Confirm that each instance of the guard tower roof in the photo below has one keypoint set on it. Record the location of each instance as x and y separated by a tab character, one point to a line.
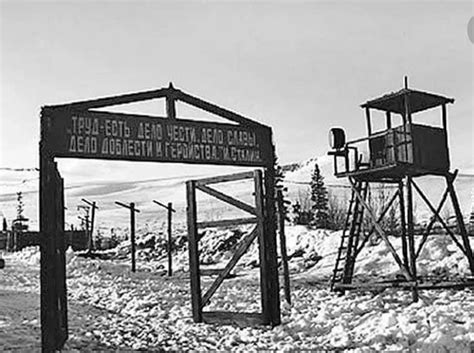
419	100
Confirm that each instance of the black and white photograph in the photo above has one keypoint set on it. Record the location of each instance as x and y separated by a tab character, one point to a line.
236	176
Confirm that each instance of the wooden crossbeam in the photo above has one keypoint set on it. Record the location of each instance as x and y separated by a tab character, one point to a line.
225	178
243	247
426	233
228	199
164	206
115	100
91	204
405	285
461	225
436	214
193	248
232	318
214	109
227	222
380	231
130	207
382	215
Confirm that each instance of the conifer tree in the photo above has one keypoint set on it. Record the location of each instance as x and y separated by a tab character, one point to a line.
20	206
279	178
319	198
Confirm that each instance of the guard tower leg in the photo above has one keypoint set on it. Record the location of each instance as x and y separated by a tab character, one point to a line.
411	236
460	221
403	223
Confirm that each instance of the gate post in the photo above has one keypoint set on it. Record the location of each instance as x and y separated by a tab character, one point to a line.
52	272
270	267
196	300
47	251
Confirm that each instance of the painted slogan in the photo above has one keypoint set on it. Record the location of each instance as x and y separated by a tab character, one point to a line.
130	137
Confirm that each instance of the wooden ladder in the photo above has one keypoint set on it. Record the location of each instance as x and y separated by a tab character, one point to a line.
345	261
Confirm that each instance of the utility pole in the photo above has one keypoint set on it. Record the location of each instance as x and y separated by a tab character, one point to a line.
170	209
85	220
284	255
93	206
132	209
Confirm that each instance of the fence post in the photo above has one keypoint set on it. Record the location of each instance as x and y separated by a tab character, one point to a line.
132	209
132	234
170	240
196	299
284	256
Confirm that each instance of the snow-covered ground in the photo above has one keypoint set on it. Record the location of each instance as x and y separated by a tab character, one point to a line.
111	308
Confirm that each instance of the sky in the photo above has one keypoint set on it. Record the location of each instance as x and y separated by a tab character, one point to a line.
299	67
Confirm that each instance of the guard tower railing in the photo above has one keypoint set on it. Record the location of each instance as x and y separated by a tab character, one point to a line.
394	150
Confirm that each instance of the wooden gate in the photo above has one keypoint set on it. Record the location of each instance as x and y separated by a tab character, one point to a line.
54	325
270	314
79	130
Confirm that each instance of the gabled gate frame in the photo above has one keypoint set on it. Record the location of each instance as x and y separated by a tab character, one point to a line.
407	264
54	134
270	314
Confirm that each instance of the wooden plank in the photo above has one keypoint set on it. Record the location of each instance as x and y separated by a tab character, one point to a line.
405	285
240	319
214	109
163	205
132	235
369	124
461	225
157	139
61	265
47	251
241	250
259	206
369	286
440	220
170	239
214	272
380	231
114	100
225	178
92	226
379	219
171	102
427	231
193	248
127	206
228	199
444	118
403	223
284	255
227	222
388	118
411	235
270	249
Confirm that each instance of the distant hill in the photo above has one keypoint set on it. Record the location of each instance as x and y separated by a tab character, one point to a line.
142	192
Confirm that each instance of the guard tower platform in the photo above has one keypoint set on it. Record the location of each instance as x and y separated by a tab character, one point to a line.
396	154
397	151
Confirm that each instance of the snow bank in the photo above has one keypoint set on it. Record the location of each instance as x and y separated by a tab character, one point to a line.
148	311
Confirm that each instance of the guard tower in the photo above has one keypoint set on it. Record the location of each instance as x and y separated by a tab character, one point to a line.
396	155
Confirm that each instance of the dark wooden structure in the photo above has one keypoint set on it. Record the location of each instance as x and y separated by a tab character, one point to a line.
270	313
169	243
79	130
90	228
76	239
282	238
54	323
395	155
133	245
